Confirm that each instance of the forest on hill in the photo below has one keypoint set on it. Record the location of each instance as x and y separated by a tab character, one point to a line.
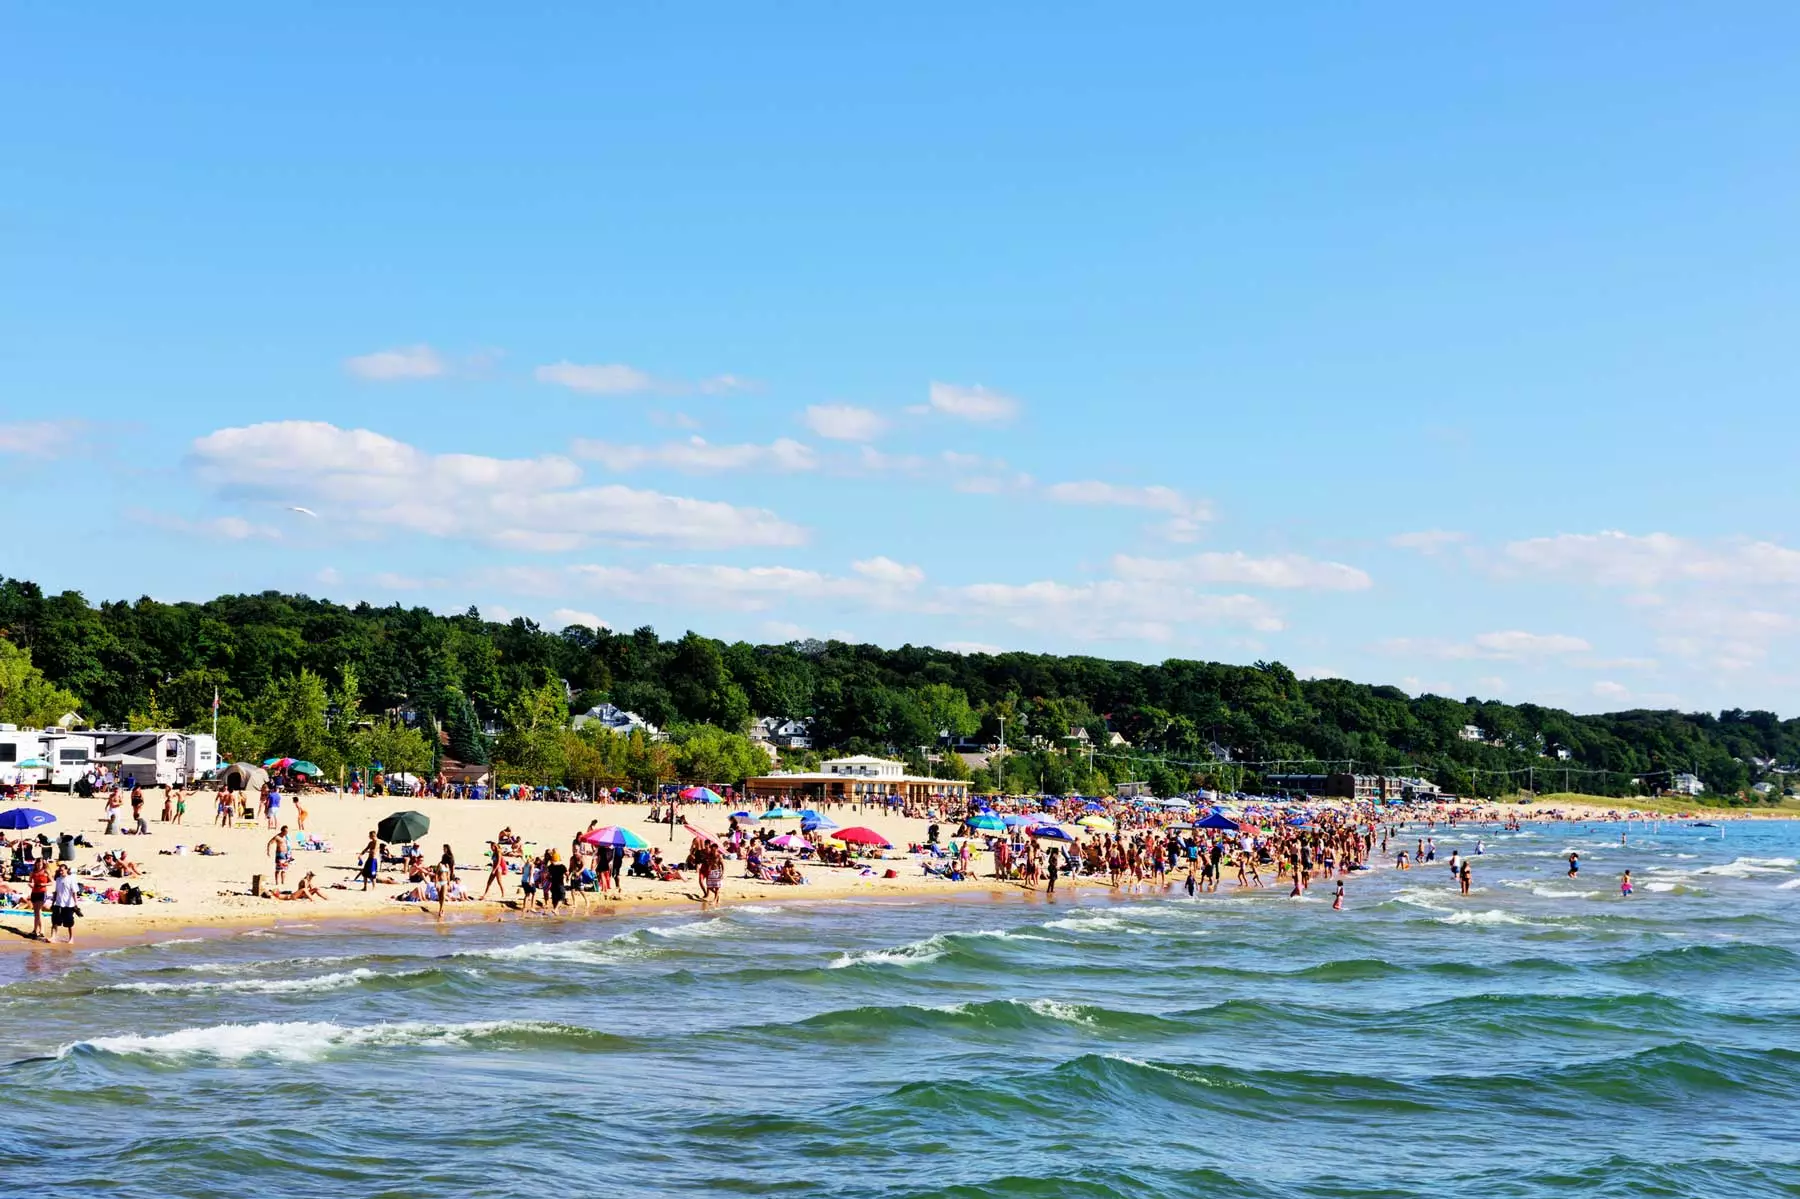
344	685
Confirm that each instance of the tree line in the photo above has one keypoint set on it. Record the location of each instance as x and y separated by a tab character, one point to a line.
342	685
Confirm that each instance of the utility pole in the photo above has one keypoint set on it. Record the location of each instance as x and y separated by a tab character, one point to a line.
1000	770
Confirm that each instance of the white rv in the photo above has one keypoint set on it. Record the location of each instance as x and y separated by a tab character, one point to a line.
20	745
67	756
157	759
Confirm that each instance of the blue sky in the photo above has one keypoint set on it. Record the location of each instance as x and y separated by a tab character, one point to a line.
1446	346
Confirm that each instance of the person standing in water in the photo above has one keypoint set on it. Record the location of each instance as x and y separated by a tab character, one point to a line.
1625	885
1337	901
1051	871
1574	864
1465	876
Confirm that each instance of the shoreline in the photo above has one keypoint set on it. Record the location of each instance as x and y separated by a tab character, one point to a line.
209	894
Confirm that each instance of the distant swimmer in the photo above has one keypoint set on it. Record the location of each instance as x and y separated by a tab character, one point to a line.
1478	848
1465	876
1574	864
1337	901
1625	885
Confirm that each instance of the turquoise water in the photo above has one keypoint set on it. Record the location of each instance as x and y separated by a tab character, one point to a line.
1539	1037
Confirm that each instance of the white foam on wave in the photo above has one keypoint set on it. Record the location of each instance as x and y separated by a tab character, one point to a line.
293	1040
1422	897
1559	893
262	986
1662	886
1089	924
754	909
696	928
1053	1009
913	953
1749	867
1492	916
590	952
1790	885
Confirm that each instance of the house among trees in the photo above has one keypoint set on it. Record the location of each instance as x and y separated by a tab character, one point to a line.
783	732
617	720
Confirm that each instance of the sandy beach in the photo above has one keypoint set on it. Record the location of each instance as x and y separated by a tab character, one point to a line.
188	890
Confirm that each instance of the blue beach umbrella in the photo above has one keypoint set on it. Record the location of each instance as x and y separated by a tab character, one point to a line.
22	818
39	764
987	824
1217	819
1021	821
1049	832
816	822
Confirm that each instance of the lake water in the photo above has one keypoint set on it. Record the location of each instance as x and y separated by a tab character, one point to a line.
1540	1037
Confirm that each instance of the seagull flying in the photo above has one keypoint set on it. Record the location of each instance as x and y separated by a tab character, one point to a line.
303	511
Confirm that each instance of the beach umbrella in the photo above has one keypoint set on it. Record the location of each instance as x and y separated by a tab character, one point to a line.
987	823
1050	832
33	764
862	836
700	833
703	795
1022	821
816	822
1217	819
781	814
403	826
1096	822
791	841
21	818
745	816
612	834
278	763
304	768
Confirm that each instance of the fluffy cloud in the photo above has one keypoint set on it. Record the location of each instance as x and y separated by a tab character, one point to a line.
219	528
697	454
607	378
402	362
707	585
41	438
972	403
845	422
1427	541
1112	609
616	378
1612	558
562	618
972	647
379	483
886	570
1186	514
1511	645
1286	571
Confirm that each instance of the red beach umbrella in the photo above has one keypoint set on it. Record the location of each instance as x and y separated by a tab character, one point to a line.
862	836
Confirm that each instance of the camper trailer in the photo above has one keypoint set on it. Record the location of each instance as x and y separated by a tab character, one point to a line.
157	759
20	745
67	756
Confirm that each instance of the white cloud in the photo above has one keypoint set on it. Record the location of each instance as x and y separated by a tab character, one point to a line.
719	385
972	403
886	570
1111	609
534	504
707	585
330	576
608	378
41	438
1320	672
219	528
1427	541
1607	689
402	362
869	458
784	631
392	581
845	422
1510	645
1616	559
1186	514
562	618
1286	571
697	454
972	647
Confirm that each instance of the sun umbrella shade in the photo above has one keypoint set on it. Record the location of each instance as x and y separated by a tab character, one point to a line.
862	836
816	822
278	763
1217	820
18	818
703	795
304	768
1099	822
988	824
612	834
403	826
32	764
1021	821
790	841
1049	832
781	814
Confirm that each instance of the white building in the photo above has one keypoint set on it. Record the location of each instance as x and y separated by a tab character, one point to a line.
1472	732
783	732
1686	784
865	767
617	720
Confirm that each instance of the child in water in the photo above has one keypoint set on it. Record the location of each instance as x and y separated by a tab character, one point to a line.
1337	901
1625	886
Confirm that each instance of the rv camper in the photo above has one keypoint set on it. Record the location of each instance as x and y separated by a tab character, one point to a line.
20	745
67	757
157	759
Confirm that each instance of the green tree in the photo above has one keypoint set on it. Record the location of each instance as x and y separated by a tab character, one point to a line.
706	754
27	698
535	723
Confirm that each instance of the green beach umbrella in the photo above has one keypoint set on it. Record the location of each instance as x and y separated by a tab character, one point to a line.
403	826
